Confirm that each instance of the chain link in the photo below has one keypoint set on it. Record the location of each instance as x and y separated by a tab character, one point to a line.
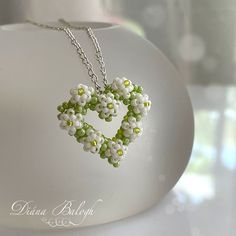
79	49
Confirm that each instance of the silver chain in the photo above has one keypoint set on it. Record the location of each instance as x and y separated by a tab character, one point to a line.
80	51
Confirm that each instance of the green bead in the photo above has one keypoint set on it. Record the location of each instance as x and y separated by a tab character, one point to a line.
70	105
86	126
117	96
80	132
65	105
133	95
140	89
92	107
108	119
103	147
86	106
120	131
100	116
135	88
125	117
78	109
116	164
130	108
94	100
110	160
79	140
60	108
102	155
119	136
138	117
84	111
126	101
126	141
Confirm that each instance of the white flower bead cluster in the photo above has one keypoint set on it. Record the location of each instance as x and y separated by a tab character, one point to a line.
107	105
141	104
81	94
123	87
116	151
71	121
93	141
132	129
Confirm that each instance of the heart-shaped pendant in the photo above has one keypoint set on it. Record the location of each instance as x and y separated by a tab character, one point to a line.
106	103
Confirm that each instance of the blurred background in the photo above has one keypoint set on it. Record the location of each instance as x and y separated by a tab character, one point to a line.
199	37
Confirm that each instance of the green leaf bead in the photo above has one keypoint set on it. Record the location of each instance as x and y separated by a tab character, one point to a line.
108	119
110	160
100	116
116	164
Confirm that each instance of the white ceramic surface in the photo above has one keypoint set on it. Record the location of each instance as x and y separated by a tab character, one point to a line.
40	162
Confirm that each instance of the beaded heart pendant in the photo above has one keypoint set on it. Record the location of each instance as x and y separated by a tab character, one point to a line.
83	97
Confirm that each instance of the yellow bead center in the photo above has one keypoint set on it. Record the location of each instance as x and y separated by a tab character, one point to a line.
80	91
120	152
94	143
69	123
126	83
146	104
136	130
110	105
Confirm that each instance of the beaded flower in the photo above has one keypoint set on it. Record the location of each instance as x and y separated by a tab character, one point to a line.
107	106
131	128
141	104
71	121
81	94
123	87
93	141
116	151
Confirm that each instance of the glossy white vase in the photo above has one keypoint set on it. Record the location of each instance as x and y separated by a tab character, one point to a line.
40	162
